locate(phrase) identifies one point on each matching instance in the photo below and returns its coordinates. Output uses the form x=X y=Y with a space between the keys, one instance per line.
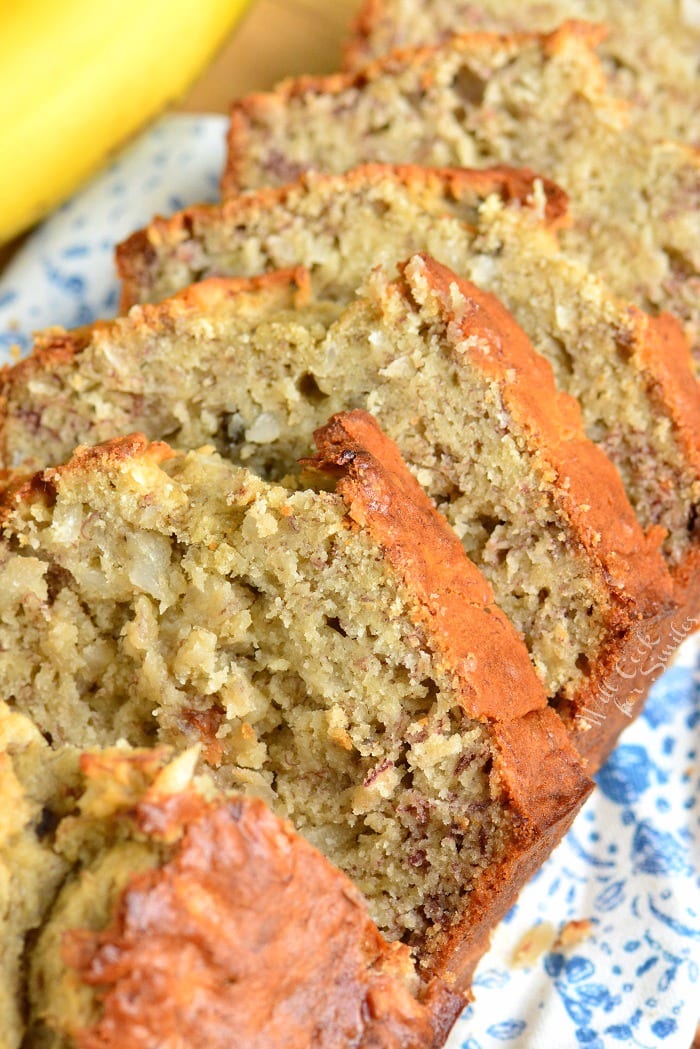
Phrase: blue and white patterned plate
x=630 y=865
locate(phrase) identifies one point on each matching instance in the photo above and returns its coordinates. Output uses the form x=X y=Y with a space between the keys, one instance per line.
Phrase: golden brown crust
x=606 y=527
x=247 y=928
x=511 y=184
x=244 y=110
x=452 y=598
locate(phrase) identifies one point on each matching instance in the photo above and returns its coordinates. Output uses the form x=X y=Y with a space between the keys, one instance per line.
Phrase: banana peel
x=80 y=77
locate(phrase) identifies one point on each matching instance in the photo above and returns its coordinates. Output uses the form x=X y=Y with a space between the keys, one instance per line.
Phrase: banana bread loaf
x=651 y=54
x=633 y=376
x=335 y=654
x=181 y=912
x=538 y=100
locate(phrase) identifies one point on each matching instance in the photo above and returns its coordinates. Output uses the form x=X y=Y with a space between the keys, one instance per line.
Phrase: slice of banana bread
x=335 y=654
x=633 y=376
x=338 y=227
x=164 y=370
x=538 y=100
x=651 y=54
x=180 y=912
x=504 y=454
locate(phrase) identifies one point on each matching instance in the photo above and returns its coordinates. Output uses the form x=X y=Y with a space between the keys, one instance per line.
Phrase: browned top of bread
x=247 y=928
x=452 y=596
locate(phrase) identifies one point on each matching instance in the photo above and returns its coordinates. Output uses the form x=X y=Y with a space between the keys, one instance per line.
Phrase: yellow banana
x=78 y=77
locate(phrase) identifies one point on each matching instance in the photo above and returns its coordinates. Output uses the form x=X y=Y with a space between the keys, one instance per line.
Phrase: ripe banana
x=78 y=77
